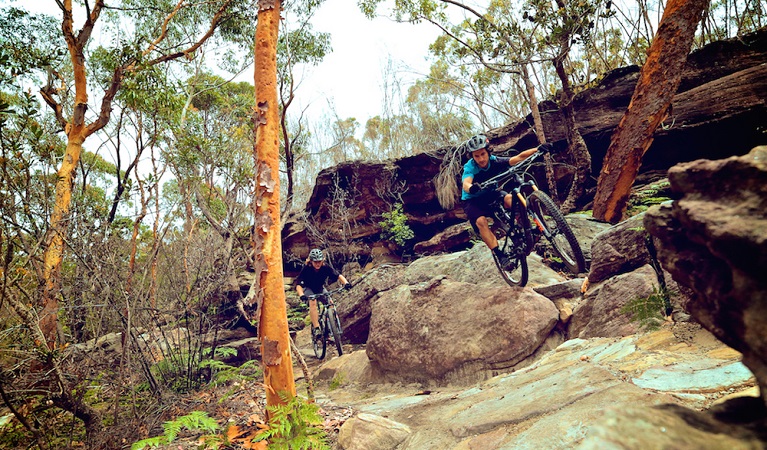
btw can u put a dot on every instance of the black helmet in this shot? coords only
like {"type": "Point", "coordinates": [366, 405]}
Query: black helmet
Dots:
{"type": "Point", "coordinates": [316, 255]}
{"type": "Point", "coordinates": [477, 142]}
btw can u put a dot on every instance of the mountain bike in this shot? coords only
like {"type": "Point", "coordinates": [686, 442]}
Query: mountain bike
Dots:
{"type": "Point", "coordinates": [533, 215]}
{"type": "Point", "coordinates": [329, 323]}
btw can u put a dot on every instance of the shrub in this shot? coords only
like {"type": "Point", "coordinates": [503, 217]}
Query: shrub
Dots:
{"type": "Point", "coordinates": [337, 381]}
{"type": "Point", "coordinates": [394, 227]}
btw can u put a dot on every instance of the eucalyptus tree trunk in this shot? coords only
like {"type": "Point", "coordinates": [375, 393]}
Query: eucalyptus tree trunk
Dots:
{"type": "Point", "coordinates": [658, 82]}
{"type": "Point", "coordinates": [578, 150]}
{"type": "Point", "coordinates": [273, 320]}
{"type": "Point", "coordinates": [78, 131]}
{"type": "Point", "coordinates": [538, 125]}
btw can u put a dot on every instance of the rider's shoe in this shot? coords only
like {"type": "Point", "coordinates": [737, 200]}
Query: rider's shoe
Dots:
{"type": "Point", "coordinates": [507, 262]}
{"type": "Point", "coordinates": [316, 333]}
{"type": "Point", "coordinates": [503, 259]}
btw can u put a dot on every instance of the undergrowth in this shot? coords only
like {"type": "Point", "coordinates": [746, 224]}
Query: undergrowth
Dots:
{"type": "Point", "coordinates": [194, 421]}
{"type": "Point", "coordinates": [394, 227]}
{"type": "Point", "coordinates": [296, 425]}
{"type": "Point", "coordinates": [648, 311]}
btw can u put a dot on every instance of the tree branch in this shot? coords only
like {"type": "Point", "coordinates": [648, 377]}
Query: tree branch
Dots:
{"type": "Point", "coordinates": [478, 54]}
{"type": "Point", "coordinates": [119, 73]}
{"type": "Point", "coordinates": [47, 92]}
{"type": "Point", "coordinates": [106, 101]}
{"type": "Point", "coordinates": [23, 420]}
{"type": "Point", "coordinates": [206, 212]}
{"type": "Point", "coordinates": [91, 17]}
{"type": "Point", "coordinates": [164, 28]}
{"type": "Point", "coordinates": [217, 18]}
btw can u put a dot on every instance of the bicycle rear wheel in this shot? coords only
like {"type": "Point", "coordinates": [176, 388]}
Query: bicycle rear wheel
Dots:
{"type": "Point", "coordinates": [557, 231]}
{"type": "Point", "coordinates": [319, 343]}
{"type": "Point", "coordinates": [515, 272]}
{"type": "Point", "coordinates": [335, 328]}
{"type": "Point", "coordinates": [517, 217]}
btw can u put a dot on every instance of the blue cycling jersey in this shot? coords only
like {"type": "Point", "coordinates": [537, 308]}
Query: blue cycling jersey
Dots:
{"type": "Point", "coordinates": [471, 169]}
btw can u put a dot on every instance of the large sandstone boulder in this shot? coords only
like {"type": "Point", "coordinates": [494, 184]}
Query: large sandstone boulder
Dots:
{"type": "Point", "coordinates": [714, 241]}
{"type": "Point", "coordinates": [371, 432]}
{"type": "Point", "coordinates": [623, 248]}
{"type": "Point", "coordinates": [473, 266]}
{"type": "Point", "coordinates": [628, 427]}
{"type": "Point", "coordinates": [619, 249]}
{"type": "Point", "coordinates": [451, 238]}
{"type": "Point", "coordinates": [566, 296]}
{"type": "Point", "coordinates": [354, 306]}
{"type": "Point", "coordinates": [586, 393]}
{"type": "Point", "coordinates": [476, 266]}
{"type": "Point", "coordinates": [586, 229]}
{"type": "Point", "coordinates": [444, 331]}
{"type": "Point", "coordinates": [601, 313]}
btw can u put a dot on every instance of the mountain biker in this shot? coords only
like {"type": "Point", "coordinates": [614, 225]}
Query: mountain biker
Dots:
{"type": "Point", "coordinates": [478, 202]}
{"type": "Point", "coordinates": [311, 280]}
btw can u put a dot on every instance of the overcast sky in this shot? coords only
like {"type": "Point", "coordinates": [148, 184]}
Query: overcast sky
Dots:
{"type": "Point", "coordinates": [352, 75]}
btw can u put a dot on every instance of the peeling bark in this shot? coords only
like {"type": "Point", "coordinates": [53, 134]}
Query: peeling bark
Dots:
{"type": "Point", "coordinates": [273, 325]}
{"type": "Point", "coordinates": [54, 251]}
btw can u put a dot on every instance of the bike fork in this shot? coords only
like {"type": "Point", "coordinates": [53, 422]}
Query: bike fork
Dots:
{"type": "Point", "coordinates": [523, 201]}
{"type": "Point", "coordinates": [543, 230]}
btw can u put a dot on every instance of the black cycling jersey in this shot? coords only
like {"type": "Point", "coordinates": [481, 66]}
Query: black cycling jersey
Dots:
{"type": "Point", "coordinates": [315, 280]}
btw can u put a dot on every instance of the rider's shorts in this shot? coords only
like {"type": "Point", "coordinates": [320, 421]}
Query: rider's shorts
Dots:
{"type": "Point", "coordinates": [481, 206]}
{"type": "Point", "coordinates": [309, 291]}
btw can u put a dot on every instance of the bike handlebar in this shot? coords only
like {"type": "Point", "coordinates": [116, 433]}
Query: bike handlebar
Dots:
{"type": "Point", "coordinates": [503, 177]}
{"type": "Point", "coordinates": [322, 294]}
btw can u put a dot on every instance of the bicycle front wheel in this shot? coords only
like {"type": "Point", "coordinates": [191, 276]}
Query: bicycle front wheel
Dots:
{"type": "Point", "coordinates": [554, 226]}
{"type": "Point", "coordinates": [335, 328]}
{"type": "Point", "coordinates": [320, 343]}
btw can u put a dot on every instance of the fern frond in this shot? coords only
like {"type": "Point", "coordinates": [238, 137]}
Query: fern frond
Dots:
{"type": "Point", "coordinates": [152, 442]}
{"type": "Point", "coordinates": [214, 364]}
{"type": "Point", "coordinates": [172, 429]}
{"type": "Point", "coordinates": [648, 311]}
{"type": "Point", "coordinates": [223, 352]}
{"type": "Point", "coordinates": [296, 424]}
{"type": "Point", "coordinates": [195, 420]}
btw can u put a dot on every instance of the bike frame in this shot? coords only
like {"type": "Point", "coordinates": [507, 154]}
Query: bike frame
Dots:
{"type": "Point", "coordinates": [323, 308]}
{"type": "Point", "coordinates": [513, 175]}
